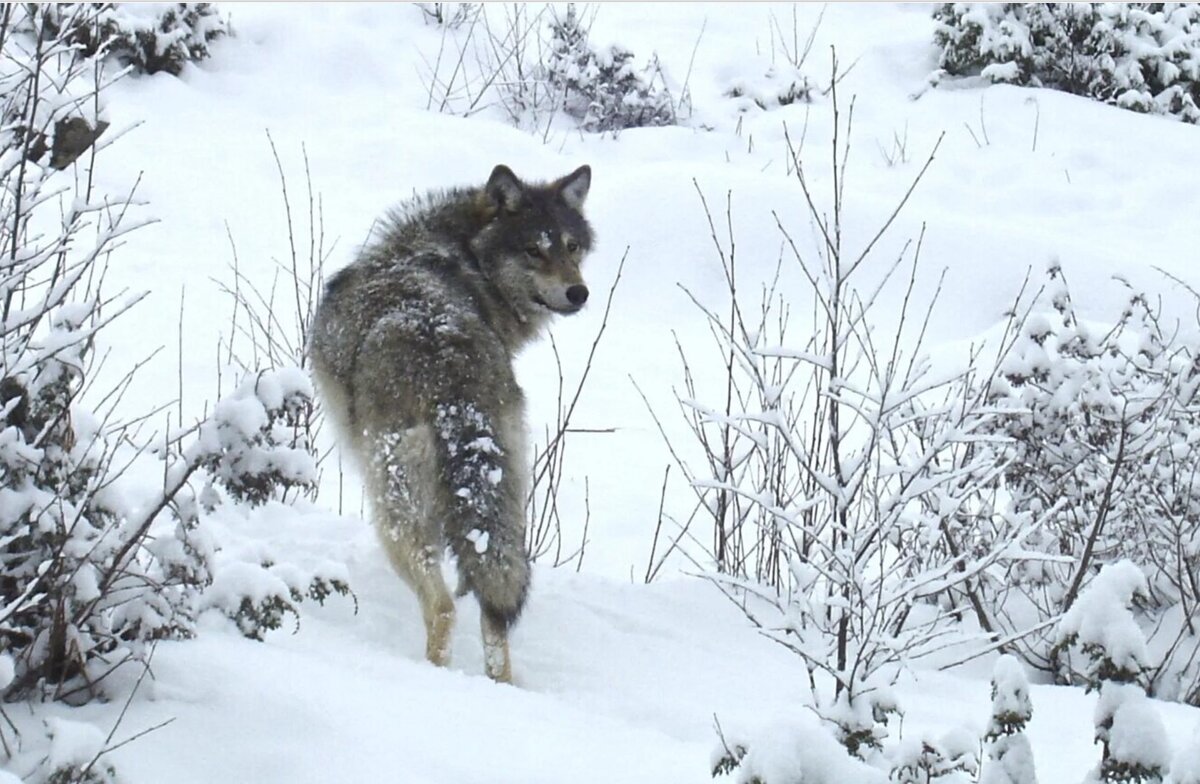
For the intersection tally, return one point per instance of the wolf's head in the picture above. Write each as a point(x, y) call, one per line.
point(534, 239)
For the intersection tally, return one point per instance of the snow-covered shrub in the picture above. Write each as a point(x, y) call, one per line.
point(510, 56)
point(859, 716)
point(85, 582)
point(602, 88)
point(778, 86)
point(269, 332)
point(75, 753)
point(148, 37)
point(1140, 56)
point(1010, 757)
point(1136, 748)
point(83, 586)
point(66, 123)
point(56, 750)
point(261, 440)
point(839, 472)
point(88, 580)
point(257, 597)
point(791, 752)
point(255, 444)
point(93, 569)
point(1105, 417)
point(782, 82)
point(952, 759)
point(1101, 627)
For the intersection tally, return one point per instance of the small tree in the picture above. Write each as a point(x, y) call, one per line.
point(1009, 753)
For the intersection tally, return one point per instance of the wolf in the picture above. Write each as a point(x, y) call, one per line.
point(412, 347)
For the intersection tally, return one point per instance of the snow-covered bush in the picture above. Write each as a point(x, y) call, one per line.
point(841, 472)
point(1140, 56)
point(952, 759)
point(85, 583)
point(83, 587)
point(257, 597)
point(75, 753)
point(57, 750)
point(93, 568)
point(1010, 757)
point(269, 332)
point(779, 86)
point(263, 446)
point(783, 81)
point(602, 88)
point(255, 444)
point(537, 64)
point(1136, 748)
point(254, 447)
point(1100, 626)
point(148, 37)
point(791, 752)
point(1104, 416)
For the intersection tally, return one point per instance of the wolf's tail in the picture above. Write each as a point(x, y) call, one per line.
point(485, 526)
point(495, 569)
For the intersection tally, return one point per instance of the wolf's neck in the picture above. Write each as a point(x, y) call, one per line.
point(516, 325)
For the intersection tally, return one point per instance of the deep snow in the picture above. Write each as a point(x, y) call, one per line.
point(617, 681)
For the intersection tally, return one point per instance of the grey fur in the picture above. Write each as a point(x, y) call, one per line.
point(412, 349)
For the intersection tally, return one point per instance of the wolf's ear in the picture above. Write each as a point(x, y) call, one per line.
point(574, 187)
point(504, 189)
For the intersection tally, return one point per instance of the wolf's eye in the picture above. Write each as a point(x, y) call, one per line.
point(572, 246)
point(533, 251)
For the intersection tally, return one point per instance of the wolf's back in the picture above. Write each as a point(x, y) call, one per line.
point(335, 343)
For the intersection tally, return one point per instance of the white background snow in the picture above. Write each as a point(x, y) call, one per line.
point(617, 681)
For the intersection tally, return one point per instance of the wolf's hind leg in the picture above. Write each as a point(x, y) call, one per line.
point(496, 661)
point(421, 569)
point(404, 517)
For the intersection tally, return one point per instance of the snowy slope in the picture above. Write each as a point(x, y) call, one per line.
point(617, 682)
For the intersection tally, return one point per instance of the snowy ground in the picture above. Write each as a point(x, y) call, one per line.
point(617, 681)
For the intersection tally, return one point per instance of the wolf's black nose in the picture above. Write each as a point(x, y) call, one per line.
point(577, 295)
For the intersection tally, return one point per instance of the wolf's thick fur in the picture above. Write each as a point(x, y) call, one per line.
point(412, 349)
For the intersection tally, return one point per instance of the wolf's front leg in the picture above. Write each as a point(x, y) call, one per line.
point(483, 462)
